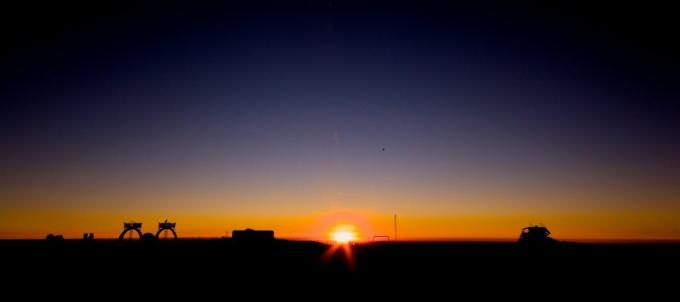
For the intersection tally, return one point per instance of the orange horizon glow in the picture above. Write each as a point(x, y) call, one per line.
point(318, 226)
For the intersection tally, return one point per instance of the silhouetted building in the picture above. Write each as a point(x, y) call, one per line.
point(536, 235)
point(252, 235)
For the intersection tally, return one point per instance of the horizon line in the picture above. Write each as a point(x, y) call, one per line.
point(407, 240)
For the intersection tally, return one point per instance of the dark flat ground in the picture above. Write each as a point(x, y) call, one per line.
point(441, 265)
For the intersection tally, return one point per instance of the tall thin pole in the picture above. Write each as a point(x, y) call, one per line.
point(395, 226)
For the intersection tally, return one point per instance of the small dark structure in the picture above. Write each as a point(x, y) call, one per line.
point(54, 238)
point(88, 236)
point(536, 235)
point(252, 235)
point(131, 227)
point(148, 238)
point(165, 227)
point(381, 238)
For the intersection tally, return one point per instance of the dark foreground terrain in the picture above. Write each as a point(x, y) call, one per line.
point(378, 267)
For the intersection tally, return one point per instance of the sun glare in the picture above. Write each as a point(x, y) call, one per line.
point(343, 236)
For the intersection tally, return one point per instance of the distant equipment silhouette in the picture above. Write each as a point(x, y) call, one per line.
point(148, 238)
point(381, 238)
point(252, 235)
point(54, 238)
point(129, 228)
point(165, 228)
point(536, 235)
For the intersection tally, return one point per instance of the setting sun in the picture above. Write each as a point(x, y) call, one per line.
point(344, 236)
point(344, 233)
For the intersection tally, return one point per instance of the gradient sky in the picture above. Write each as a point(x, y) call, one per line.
point(275, 115)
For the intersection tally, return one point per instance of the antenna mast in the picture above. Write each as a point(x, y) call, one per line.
point(395, 226)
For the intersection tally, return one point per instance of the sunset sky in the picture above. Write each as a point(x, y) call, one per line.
point(467, 121)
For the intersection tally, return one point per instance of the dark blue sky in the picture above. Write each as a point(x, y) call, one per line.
point(271, 99)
